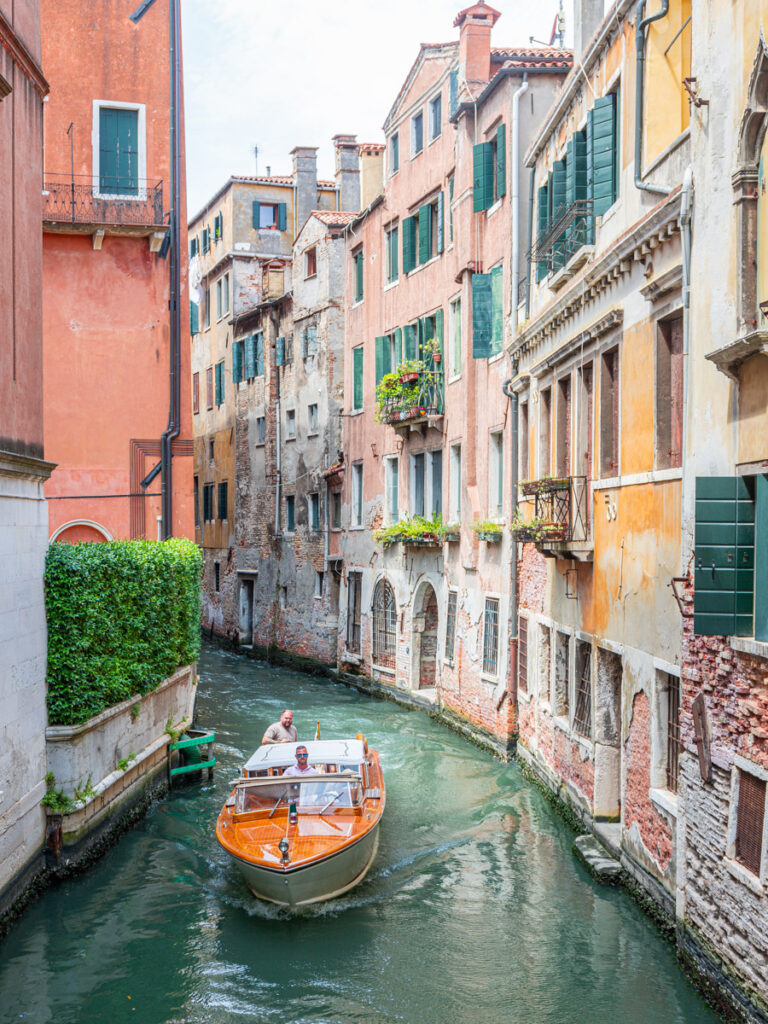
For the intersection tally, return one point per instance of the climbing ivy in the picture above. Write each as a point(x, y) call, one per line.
point(122, 616)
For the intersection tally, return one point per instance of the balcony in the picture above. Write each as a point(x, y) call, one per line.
point(82, 204)
point(563, 246)
point(559, 526)
point(416, 401)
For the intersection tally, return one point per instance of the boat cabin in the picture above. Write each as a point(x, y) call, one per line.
point(323, 755)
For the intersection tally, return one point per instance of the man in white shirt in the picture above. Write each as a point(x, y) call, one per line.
point(283, 731)
point(302, 766)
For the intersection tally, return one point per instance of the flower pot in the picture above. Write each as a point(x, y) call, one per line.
point(490, 536)
point(409, 378)
point(452, 537)
point(436, 358)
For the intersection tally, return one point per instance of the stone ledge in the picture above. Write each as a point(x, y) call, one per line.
point(599, 863)
point(746, 645)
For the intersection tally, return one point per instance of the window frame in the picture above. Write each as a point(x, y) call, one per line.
point(310, 263)
point(488, 672)
point(290, 419)
point(451, 617)
point(757, 881)
point(415, 118)
point(435, 104)
point(358, 511)
point(290, 513)
point(141, 130)
point(456, 340)
point(393, 153)
point(384, 625)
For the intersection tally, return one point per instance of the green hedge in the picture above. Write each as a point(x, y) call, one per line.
point(122, 616)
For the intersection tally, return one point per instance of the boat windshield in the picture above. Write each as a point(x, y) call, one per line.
point(310, 795)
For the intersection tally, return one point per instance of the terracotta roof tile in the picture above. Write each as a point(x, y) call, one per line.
point(334, 218)
point(532, 56)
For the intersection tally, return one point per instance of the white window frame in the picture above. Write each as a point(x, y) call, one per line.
point(454, 370)
point(391, 515)
point(496, 474)
point(757, 883)
point(358, 512)
point(417, 152)
point(454, 483)
point(141, 195)
point(429, 504)
point(433, 136)
point(290, 417)
point(312, 427)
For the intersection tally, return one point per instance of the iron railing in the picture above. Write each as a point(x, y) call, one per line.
point(83, 199)
point(567, 233)
point(561, 510)
point(422, 399)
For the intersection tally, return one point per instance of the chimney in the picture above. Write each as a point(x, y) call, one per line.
point(347, 171)
point(371, 172)
point(475, 24)
point(587, 18)
point(305, 179)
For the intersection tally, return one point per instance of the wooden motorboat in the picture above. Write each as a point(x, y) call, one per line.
point(303, 839)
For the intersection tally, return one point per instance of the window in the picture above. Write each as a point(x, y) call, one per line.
point(218, 225)
point(319, 584)
point(314, 512)
point(584, 457)
point(290, 424)
point(417, 134)
point(194, 247)
point(489, 170)
point(430, 229)
point(435, 117)
point(750, 820)
point(290, 513)
point(358, 266)
point(195, 393)
point(211, 450)
point(496, 476)
point(312, 419)
point(450, 626)
point(238, 361)
point(357, 494)
point(253, 359)
point(207, 308)
point(582, 716)
point(225, 293)
point(220, 383)
point(354, 605)
point(455, 328)
point(357, 378)
point(205, 237)
point(524, 443)
point(454, 512)
point(209, 387)
point(261, 429)
point(410, 254)
point(562, 675)
point(522, 654)
point(269, 216)
point(223, 489)
point(394, 153)
point(336, 510)
point(219, 298)
point(450, 210)
point(545, 663)
point(310, 262)
point(563, 437)
point(487, 313)
point(392, 243)
point(491, 637)
point(674, 745)
point(216, 576)
point(545, 427)
point(384, 625)
point(418, 484)
point(196, 492)
point(194, 318)
point(392, 473)
point(609, 414)
point(435, 505)
point(208, 503)
point(603, 148)
point(669, 393)
point(309, 341)
point(119, 152)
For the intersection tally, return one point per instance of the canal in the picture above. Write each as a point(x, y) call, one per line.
point(475, 911)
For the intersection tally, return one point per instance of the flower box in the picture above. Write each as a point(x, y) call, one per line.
point(489, 536)
point(545, 485)
point(451, 536)
point(409, 378)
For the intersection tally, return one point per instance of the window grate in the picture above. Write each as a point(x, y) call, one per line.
point(750, 815)
point(353, 611)
point(491, 637)
point(522, 654)
point(673, 734)
point(450, 626)
point(384, 625)
point(582, 717)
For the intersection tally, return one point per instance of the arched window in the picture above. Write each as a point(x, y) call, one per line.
point(384, 625)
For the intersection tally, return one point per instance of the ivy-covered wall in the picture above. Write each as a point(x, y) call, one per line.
point(122, 616)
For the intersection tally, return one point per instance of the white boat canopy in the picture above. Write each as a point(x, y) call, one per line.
point(344, 753)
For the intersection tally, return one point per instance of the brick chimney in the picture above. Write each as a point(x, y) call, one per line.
point(371, 172)
point(587, 18)
point(347, 171)
point(305, 177)
point(475, 24)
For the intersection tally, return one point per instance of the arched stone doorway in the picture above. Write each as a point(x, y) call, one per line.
point(79, 530)
point(425, 637)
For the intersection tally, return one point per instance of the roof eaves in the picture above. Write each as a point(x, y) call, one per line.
point(506, 71)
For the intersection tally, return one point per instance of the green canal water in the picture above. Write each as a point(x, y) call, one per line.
point(474, 912)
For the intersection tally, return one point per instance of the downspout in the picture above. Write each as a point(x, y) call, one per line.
point(515, 204)
point(686, 210)
point(530, 245)
point(327, 519)
point(512, 623)
point(278, 446)
point(640, 26)
point(174, 374)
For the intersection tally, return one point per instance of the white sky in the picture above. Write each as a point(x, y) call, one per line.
point(278, 75)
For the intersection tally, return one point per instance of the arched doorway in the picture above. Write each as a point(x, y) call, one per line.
point(80, 530)
point(425, 635)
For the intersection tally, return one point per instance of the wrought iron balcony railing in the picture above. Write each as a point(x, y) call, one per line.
point(85, 200)
point(568, 232)
point(419, 399)
point(561, 511)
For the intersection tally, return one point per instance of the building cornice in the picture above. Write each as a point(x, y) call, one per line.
point(25, 466)
point(22, 57)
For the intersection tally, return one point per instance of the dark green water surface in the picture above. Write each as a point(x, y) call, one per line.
point(474, 911)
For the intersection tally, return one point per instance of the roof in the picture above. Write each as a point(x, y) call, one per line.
point(280, 755)
point(371, 147)
point(334, 218)
point(254, 179)
point(532, 57)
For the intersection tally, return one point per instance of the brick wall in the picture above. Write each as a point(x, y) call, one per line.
point(638, 809)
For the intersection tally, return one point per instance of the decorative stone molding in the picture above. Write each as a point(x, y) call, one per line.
point(728, 358)
point(25, 466)
point(663, 284)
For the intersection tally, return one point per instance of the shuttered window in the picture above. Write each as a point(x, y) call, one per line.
point(354, 605)
point(206, 237)
point(487, 313)
point(750, 817)
point(453, 92)
point(602, 143)
point(118, 151)
point(209, 387)
point(219, 383)
point(249, 361)
point(576, 187)
point(482, 176)
point(218, 225)
point(237, 361)
point(522, 654)
point(542, 221)
point(501, 161)
point(195, 392)
point(410, 342)
point(358, 263)
point(394, 153)
point(557, 198)
point(392, 244)
point(450, 211)
point(425, 232)
point(357, 371)
point(194, 318)
point(439, 214)
point(382, 357)
point(207, 503)
point(409, 243)
point(193, 246)
point(259, 354)
point(223, 497)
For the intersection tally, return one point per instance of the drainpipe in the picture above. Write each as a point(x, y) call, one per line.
point(278, 444)
point(327, 518)
point(174, 374)
point(515, 204)
point(530, 244)
point(640, 26)
point(686, 209)
point(512, 627)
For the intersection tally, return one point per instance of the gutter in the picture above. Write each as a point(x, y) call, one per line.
point(640, 25)
point(530, 245)
point(686, 212)
point(512, 616)
point(515, 204)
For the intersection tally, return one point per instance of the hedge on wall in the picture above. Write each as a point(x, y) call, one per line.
point(122, 616)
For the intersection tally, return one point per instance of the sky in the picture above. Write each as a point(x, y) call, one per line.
point(278, 75)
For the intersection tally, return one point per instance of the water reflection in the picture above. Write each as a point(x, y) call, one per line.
point(474, 911)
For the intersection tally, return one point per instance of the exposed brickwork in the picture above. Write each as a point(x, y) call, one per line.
point(638, 808)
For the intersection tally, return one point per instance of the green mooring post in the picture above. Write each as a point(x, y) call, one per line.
point(194, 738)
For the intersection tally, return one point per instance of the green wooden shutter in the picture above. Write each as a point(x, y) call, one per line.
point(453, 91)
point(219, 383)
point(382, 358)
point(497, 309)
point(218, 225)
point(439, 328)
point(280, 352)
point(259, 355)
point(440, 217)
point(358, 277)
point(576, 188)
point(118, 151)
point(250, 357)
point(501, 160)
point(392, 245)
point(192, 247)
point(425, 233)
point(398, 348)
point(409, 244)
point(482, 176)
point(421, 336)
point(589, 135)
point(542, 221)
point(558, 207)
point(761, 558)
point(724, 577)
point(450, 210)
point(410, 342)
point(237, 362)
point(604, 153)
point(357, 369)
point(256, 214)
point(206, 240)
point(194, 318)
point(281, 216)
point(482, 316)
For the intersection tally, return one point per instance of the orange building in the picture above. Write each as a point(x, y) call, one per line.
point(115, 373)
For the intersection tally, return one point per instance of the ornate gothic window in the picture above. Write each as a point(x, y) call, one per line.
point(384, 625)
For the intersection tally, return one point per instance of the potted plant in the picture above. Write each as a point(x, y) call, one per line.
point(451, 533)
point(538, 531)
point(409, 371)
point(545, 485)
point(488, 530)
point(387, 535)
point(432, 351)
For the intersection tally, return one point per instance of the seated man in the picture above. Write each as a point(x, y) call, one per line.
point(302, 767)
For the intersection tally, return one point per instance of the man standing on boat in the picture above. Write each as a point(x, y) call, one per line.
point(302, 766)
point(283, 731)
